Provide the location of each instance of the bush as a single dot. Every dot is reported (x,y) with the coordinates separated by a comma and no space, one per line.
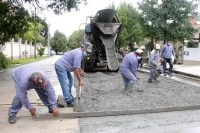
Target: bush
(4,62)
(40,51)
(192,44)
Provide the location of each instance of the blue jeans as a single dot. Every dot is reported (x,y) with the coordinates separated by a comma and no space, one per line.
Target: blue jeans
(66,81)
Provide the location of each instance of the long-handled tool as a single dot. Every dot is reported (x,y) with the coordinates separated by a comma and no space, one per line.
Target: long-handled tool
(138,85)
(79,91)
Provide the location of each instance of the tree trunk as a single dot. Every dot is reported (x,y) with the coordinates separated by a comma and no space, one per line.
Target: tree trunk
(152,43)
(131,47)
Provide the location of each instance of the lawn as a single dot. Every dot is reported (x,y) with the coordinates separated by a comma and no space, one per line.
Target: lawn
(18,62)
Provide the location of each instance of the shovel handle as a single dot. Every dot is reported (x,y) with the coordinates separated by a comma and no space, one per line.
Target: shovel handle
(80,90)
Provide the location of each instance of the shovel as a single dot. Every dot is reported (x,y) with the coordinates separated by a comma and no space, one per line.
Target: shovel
(79,91)
(138,85)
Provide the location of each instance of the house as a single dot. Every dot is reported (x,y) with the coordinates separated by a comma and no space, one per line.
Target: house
(192,48)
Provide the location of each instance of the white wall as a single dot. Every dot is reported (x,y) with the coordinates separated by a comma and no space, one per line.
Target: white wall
(17,50)
(192,54)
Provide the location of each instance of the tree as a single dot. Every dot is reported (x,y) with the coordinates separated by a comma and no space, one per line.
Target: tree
(58,42)
(168,19)
(75,39)
(37,30)
(131,29)
(175,19)
(151,19)
(14,21)
(58,6)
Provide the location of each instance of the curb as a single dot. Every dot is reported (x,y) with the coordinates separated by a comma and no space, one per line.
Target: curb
(118,112)
(175,71)
(186,74)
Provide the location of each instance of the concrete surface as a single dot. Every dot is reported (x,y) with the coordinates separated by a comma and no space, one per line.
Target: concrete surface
(170,122)
(24,121)
(103,91)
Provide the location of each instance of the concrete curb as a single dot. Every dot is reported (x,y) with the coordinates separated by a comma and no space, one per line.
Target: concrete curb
(187,74)
(118,112)
(175,71)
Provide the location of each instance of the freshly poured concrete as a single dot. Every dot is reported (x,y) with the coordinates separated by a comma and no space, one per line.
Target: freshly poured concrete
(111,55)
(104,92)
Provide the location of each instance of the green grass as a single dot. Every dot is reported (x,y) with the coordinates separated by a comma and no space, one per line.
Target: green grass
(18,62)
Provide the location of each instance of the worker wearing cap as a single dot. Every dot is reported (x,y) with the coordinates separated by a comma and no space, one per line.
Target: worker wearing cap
(26,78)
(128,68)
(155,67)
(71,62)
(140,61)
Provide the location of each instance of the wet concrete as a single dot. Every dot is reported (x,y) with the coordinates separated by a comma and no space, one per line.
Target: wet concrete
(104,92)
(111,55)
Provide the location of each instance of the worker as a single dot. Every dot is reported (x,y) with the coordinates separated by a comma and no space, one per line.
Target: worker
(155,64)
(26,78)
(128,69)
(167,53)
(71,62)
(141,61)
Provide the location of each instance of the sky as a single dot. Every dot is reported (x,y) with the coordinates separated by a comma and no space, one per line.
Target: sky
(69,22)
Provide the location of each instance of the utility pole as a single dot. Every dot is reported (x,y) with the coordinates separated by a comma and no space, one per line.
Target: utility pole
(35,55)
(48,39)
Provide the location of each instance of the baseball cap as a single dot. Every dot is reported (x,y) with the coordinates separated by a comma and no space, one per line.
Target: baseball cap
(139,51)
(87,46)
(39,80)
(157,46)
(142,47)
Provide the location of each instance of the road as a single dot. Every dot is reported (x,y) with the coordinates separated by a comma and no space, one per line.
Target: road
(24,122)
(103,92)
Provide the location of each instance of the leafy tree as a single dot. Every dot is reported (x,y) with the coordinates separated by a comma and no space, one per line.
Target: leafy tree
(151,19)
(58,6)
(58,42)
(75,39)
(175,19)
(37,31)
(131,29)
(167,19)
(14,21)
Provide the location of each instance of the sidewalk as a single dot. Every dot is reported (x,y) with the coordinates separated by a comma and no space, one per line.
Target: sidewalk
(188,69)
(24,121)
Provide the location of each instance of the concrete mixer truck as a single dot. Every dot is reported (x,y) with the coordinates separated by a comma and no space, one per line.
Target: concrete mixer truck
(102,32)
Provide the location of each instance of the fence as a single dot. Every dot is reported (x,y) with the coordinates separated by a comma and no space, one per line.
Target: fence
(19,50)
